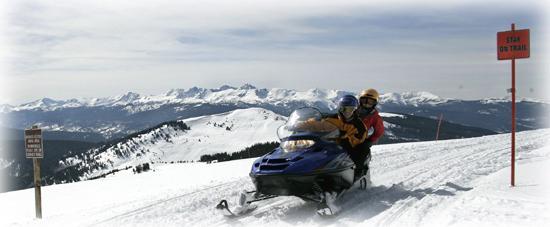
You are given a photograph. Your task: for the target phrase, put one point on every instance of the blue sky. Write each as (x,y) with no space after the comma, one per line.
(67,49)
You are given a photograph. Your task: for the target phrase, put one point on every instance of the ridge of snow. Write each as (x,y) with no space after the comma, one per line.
(126,98)
(412,98)
(384,114)
(134,102)
(508,99)
(5,108)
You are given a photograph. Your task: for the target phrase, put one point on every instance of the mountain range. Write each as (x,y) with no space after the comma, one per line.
(115,117)
(106,134)
(187,140)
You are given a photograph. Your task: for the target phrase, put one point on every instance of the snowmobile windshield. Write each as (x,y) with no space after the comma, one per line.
(304,120)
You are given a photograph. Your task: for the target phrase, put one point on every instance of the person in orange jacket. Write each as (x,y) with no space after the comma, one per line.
(368,99)
(351,136)
(351,128)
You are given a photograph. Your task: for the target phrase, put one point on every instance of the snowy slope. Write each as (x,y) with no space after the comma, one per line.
(442,183)
(207,135)
(224,133)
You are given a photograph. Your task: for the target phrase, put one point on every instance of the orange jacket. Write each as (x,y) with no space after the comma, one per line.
(351,133)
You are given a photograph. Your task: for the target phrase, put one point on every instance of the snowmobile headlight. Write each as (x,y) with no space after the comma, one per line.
(293,145)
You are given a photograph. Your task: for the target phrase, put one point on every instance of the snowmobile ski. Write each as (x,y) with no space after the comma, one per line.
(324,211)
(328,207)
(239,211)
(245,204)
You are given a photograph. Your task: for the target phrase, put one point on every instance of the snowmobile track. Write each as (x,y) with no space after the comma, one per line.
(145,208)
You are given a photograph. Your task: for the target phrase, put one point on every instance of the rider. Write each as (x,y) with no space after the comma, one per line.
(374,124)
(352,130)
(352,139)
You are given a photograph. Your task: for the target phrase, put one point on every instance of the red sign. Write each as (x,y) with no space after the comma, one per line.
(513,44)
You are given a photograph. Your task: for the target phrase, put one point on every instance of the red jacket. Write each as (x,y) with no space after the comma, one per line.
(373,120)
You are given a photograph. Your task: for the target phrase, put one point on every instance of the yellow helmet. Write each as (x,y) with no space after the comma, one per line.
(370,93)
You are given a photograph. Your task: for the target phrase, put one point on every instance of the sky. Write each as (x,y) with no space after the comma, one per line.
(72,49)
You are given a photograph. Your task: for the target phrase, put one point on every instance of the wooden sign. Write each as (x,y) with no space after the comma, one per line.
(33,143)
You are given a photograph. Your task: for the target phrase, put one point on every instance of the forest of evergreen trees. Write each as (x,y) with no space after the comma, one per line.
(255,150)
(74,173)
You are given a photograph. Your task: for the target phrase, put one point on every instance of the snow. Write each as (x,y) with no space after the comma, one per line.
(5,108)
(412,98)
(253,125)
(525,205)
(382,114)
(209,134)
(461,182)
(5,163)
(508,99)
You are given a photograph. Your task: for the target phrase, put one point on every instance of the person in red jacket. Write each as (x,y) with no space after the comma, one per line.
(368,99)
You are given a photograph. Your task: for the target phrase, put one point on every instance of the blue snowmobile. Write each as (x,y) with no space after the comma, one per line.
(308,164)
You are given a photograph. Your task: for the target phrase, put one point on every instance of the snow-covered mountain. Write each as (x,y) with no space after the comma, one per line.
(493,114)
(135,103)
(246,94)
(121,115)
(462,182)
(184,140)
(413,98)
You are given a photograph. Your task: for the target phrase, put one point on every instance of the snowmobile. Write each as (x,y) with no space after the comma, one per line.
(308,164)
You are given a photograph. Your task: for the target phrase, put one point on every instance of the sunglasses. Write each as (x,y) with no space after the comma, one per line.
(348,109)
(367,100)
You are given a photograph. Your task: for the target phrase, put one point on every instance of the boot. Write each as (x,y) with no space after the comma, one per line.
(327,207)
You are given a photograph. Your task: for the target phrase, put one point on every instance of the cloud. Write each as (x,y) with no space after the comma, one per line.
(205,42)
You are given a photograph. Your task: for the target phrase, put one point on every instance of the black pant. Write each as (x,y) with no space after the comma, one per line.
(360,154)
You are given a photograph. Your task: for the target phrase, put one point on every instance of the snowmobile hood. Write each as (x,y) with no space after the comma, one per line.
(322,157)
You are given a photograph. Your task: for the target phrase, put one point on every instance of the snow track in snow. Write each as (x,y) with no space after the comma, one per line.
(157,204)
(414,185)
(431,179)
(413,179)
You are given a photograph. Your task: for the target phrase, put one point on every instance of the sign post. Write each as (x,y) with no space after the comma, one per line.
(34,149)
(511,45)
(438,127)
